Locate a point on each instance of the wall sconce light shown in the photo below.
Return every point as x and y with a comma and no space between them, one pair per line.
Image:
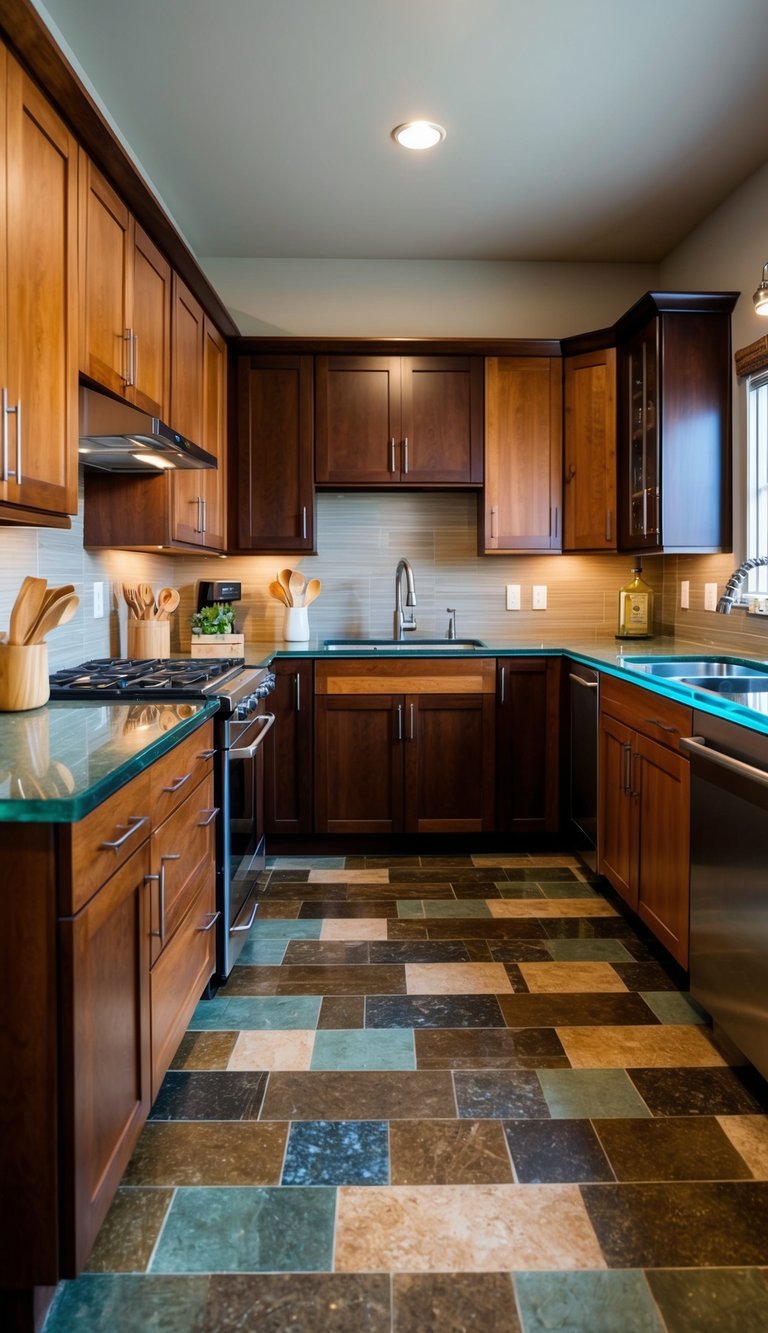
760,297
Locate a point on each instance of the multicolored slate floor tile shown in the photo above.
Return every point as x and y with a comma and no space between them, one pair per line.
438,1095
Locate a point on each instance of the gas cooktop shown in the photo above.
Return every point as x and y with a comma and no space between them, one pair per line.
125,677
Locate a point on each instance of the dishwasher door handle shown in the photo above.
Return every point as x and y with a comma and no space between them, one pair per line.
579,680
697,746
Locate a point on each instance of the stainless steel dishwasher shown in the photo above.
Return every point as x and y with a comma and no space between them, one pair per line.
584,690
729,880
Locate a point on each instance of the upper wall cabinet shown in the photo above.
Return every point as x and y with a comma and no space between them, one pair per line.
38,320
523,455
589,491
674,368
125,300
272,474
399,421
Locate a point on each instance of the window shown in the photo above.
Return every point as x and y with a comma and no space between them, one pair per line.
757,480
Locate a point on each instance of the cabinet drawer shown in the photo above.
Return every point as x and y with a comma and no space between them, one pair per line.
182,856
174,776
422,675
653,716
179,977
103,841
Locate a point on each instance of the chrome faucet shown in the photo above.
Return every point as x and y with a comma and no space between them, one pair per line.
735,581
451,632
400,621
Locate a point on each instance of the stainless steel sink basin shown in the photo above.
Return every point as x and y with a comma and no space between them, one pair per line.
401,645
728,684
685,668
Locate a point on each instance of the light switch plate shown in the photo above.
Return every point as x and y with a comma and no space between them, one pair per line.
539,597
98,601
513,596
685,594
710,596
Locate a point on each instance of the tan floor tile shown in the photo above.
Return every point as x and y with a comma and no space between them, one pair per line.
380,876
749,1136
288,1050
464,1228
503,859
456,979
542,907
563,977
660,1046
353,928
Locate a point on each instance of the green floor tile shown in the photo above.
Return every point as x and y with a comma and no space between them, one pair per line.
364,1049
263,953
271,928
586,1303
587,1094
253,1013
128,1304
671,1006
588,951
241,1230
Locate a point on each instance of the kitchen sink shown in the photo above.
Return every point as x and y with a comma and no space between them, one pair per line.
401,645
727,684
686,668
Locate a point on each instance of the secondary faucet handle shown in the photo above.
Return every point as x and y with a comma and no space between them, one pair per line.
451,622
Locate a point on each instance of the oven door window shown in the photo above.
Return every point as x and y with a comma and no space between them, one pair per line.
246,786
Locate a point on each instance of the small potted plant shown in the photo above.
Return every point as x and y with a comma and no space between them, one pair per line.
212,632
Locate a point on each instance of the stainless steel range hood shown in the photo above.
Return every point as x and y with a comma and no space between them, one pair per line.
116,437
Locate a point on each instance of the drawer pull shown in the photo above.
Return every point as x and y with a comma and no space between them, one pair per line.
214,916
203,823
656,722
206,754
177,784
160,879
135,822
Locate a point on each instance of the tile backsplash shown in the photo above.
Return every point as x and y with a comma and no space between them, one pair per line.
361,537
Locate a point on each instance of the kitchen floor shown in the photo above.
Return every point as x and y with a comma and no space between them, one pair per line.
441,1094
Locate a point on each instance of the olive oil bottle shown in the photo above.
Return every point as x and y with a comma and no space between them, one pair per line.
635,607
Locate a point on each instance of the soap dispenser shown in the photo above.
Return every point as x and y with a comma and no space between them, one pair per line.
635,607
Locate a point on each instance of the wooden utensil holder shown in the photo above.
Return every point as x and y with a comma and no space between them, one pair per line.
149,638
23,676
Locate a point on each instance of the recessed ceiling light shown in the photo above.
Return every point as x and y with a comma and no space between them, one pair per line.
418,134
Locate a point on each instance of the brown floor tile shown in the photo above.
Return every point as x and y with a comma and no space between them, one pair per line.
712,1300
683,1148
551,907
365,875
129,1231
484,928
645,976
519,951
402,929
712,1091
307,893
419,1095
556,1152
300,1302
650,1226
188,1153
285,980
450,1152
489,1048
325,953
667,1045
550,1011
445,874
749,1136
313,910
362,892
279,911
342,1011
204,1050
426,951
594,978
453,1303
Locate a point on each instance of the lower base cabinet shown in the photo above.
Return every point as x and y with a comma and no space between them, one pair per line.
527,741
644,808
288,751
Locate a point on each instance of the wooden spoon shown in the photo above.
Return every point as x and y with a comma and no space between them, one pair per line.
296,586
312,591
147,600
52,595
25,608
167,601
278,592
284,579
58,613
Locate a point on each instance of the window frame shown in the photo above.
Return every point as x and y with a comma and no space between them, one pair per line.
756,583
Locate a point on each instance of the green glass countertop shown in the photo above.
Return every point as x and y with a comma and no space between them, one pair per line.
57,763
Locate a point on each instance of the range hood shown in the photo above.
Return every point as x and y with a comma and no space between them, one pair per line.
117,437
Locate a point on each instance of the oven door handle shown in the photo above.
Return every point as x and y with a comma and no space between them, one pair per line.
240,930
249,751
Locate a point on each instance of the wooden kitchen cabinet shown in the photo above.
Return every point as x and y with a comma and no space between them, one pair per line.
38,292
273,495
644,808
398,421
674,436
406,747
125,299
288,785
527,744
589,481
522,500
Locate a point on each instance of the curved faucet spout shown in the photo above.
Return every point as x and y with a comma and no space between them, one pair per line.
735,581
401,622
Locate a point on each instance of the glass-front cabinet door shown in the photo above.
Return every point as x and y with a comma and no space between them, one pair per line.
640,504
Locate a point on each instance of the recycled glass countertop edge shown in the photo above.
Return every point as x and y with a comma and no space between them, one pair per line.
94,747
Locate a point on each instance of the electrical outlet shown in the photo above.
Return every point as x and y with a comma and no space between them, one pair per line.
539,597
757,606
98,601
710,596
513,596
685,594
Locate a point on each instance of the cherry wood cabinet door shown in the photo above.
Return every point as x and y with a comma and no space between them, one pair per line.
213,482
357,430
442,421
288,783
617,797
106,277
523,455
589,499
359,763
150,323
449,771
664,845
106,1079
38,344
198,407
527,731
274,475
187,342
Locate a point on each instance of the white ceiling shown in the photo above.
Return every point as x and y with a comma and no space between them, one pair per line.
576,129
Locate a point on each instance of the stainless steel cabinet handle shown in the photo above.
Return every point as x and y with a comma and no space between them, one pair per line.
203,823
178,783
392,447
304,523
203,505
399,722
412,712
198,527
135,823
502,683
249,751
135,360
214,916
4,409
405,456
7,412
240,930
297,687
627,783
494,513
206,754
160,878
587,684
127,358
609,525
696,745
